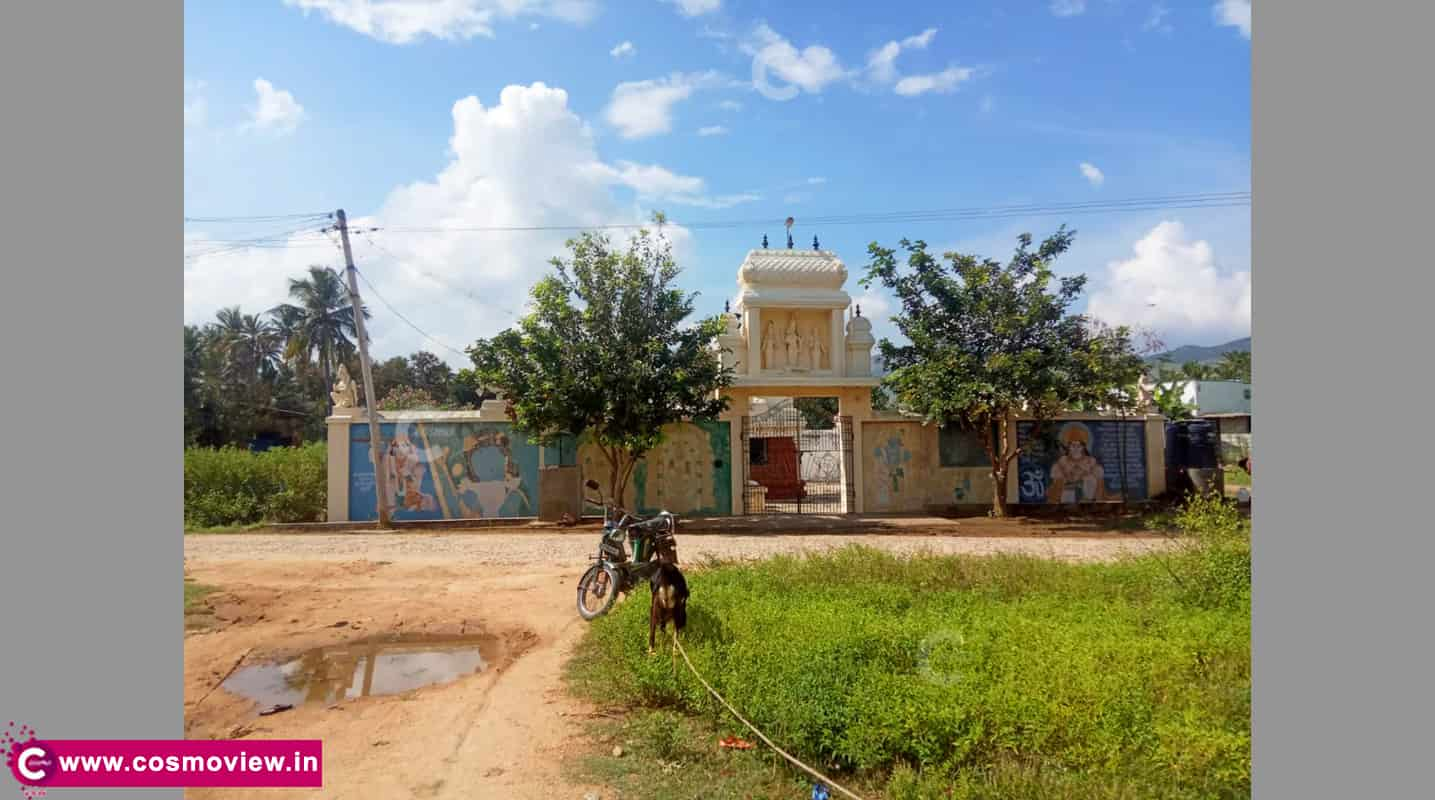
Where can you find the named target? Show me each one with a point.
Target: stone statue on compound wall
(1146, 390)
(345, 394)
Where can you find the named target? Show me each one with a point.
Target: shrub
(1215, 563)
(231, 486)
(988, 677)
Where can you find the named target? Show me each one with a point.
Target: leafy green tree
(391, 374)
(1235, 366)
(989, 342)
(818, 413)
(411, 398)
(467, 390)
(604, 352)
(1170, 400)
(1196, 371)
(431, 374)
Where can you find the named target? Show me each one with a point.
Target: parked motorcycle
(613, 572)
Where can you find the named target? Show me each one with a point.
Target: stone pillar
(857, 404)
(337, 435)
(754, 342)
(736, 410)
(837, 350)
(1155, 455)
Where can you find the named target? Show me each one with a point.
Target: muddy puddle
(366, 668)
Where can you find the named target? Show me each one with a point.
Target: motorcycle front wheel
(597, 591)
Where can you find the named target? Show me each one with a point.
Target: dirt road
(503, 732)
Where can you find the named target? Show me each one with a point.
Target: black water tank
(1192, 455)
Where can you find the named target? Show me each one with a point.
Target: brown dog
(670, 600)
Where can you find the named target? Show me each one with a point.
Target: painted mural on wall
(890, 460)
(688, 473)
(1081, 461)
(445, 470)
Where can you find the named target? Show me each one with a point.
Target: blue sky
(431, 114)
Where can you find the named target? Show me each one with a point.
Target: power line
(436, 279)
(1203, 200)
(1229, 199)
(406, 320)
(262, 218)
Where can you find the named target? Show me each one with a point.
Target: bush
(985, 677)
(1215, 564)
(231, 486)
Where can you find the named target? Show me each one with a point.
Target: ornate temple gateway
(795, 335)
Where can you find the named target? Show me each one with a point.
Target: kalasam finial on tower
(815, 245)
(727, 306)
(859, 309)
(764, 241)
(789, 222)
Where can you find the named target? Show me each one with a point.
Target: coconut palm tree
(1196, 371)
(1235, 366)
(322, 320)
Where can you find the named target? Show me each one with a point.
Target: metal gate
(796, 465)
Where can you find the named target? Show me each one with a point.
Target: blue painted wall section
(445, 470)
(1081, 461)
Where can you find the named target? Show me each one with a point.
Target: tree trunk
(999, 509)
(625, 461)
(328, 382)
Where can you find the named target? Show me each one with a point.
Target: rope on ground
(809, 770)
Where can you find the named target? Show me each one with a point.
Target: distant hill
(1207, 355)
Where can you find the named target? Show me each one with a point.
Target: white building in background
(1218, 397)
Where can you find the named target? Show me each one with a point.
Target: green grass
(666, 754)
(196, 615)
(999, 677)
(1235, 476)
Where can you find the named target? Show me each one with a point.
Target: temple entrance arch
(802, 385)
(797, 459)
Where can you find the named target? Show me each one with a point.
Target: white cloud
(652, 180)
(408, 21)
(277, 111)
(882, 62)
(817, 181)
(624, 50)
(1174, 286)
(196, 108)
(1068, 8)
(945, 81)
(695, 8)
(730, 105)
(807, 70)
(639, 109)
(1156, 20)
(1235, 13)
(527, 161)
(712, 130)
(1092, 174)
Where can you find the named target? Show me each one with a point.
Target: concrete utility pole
(369, 410)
